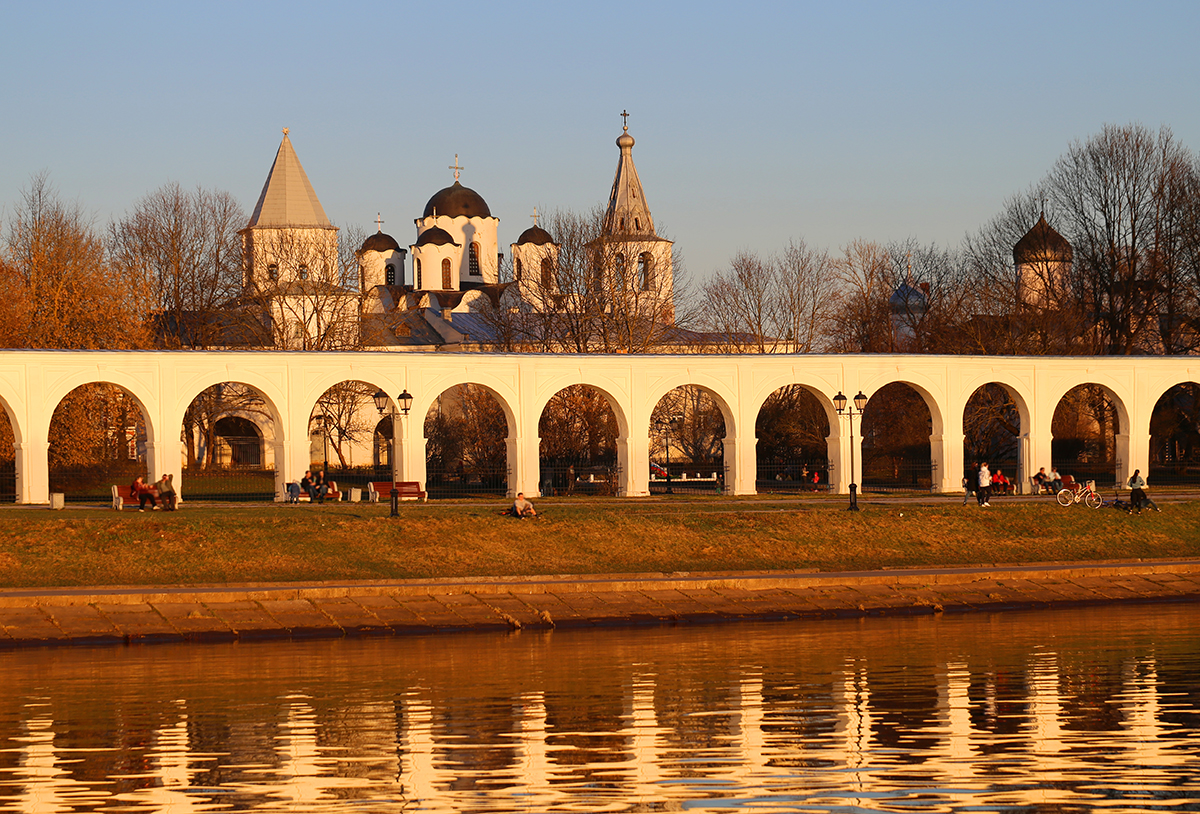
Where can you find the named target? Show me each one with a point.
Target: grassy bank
(276, 543)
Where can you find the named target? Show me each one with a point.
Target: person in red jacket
(142, 492)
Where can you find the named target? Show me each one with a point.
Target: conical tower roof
(1042, 243)
(628, 213)
(287, 198)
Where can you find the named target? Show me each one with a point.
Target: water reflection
(1056, 710)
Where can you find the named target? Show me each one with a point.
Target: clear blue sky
(754, 123)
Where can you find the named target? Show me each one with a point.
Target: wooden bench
(409, 490)
(118, 500)
(1036, 488)
(333, 493)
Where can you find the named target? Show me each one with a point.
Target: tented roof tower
(287, 198)
(628, 213)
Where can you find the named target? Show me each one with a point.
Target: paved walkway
(244, 612)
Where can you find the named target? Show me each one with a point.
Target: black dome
(457, 200)
(536, 235)
(435, 236)
(379, 242)
(1042, 243)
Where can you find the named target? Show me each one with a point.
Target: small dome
(625, 141)
(907, 300)
(1042, 243)
(536, 235)
(455, 201)
(435, 236)
(379, 242)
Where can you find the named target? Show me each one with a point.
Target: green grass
(278, 543)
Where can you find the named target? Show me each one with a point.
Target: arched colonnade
(164, 383)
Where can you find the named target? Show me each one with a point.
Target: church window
(473, 261)
(645, 271)
(637, 225)
(418, 275)
(446, 281)
(272, 272)
(620, 268)
(621, 224)
(303, 272)
(389, 274)
(547, 274)
(519, 269)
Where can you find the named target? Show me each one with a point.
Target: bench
(118, 502)
(333, 493)
(409, 490)
(1036, 488)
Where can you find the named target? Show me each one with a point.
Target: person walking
(970, 477)
(985, 486)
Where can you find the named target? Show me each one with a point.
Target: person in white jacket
(985, 485)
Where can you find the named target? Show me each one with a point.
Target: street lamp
(382, 403)
(665, 425)
(325, 443)
(839, 403)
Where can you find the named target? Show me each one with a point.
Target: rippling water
(1053, 711)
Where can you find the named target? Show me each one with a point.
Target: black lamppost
(839, 403)
(665, 426)
(325, 443)
(382, 403)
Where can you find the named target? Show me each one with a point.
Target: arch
(389, 274)
(997, 431)
(1090, 438)
(581, 446)
(645, 271)
(206, 473)
(97, 437)
(467, 429)
(899, 455)
(689, 420)
(793, 429)
(1174, 430)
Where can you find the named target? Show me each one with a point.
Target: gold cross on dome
(625, 119)
(534, 216)
(378, 222)
(457, 169)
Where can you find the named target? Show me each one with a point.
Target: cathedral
(446, 287)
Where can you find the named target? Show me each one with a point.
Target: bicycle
(1080, 493)
(1117, 503)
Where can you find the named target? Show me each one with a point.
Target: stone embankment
(243, 612)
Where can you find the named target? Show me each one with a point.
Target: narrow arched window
(273, 272)
(547, 274)
(302, 273)
(620, 269)
(473, 261)
(389, 274)
(518, 268)
(637, 225)
(645, 271)
(417, 269)
(446, 282)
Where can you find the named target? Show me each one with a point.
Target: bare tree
(182, 249)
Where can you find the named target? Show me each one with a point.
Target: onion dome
(435, 236)
(1042, 243)
(455, 201)
(535, 235)
(379, 242)
(907, 300)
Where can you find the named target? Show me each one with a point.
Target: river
(1065, 710)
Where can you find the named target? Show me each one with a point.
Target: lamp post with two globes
(860, 403)
(382, 403)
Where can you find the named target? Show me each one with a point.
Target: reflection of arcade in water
(1058, 709)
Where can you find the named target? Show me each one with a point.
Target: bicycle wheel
(1093, 500)
(1066, 497)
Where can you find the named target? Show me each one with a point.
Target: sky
(755, 125)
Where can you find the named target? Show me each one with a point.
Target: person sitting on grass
(521, 508)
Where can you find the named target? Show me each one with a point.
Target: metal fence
(565, 478)
(475, 482)
(93, 484)
(789, 477)
(888, 475)
(689, 479)
(8, 481)
(233, 485)
(1186, 473)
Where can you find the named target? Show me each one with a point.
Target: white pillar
(33, 471)
(524, 465)
(835, 454)
(946, 452)
(1131, 456)
(740, 467)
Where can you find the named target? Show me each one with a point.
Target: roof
(457, 201)
(627, 211)
(287, 198)
(1042, 243)
(379, 242)
(436, 236)
(536, 235)
(907, 299)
